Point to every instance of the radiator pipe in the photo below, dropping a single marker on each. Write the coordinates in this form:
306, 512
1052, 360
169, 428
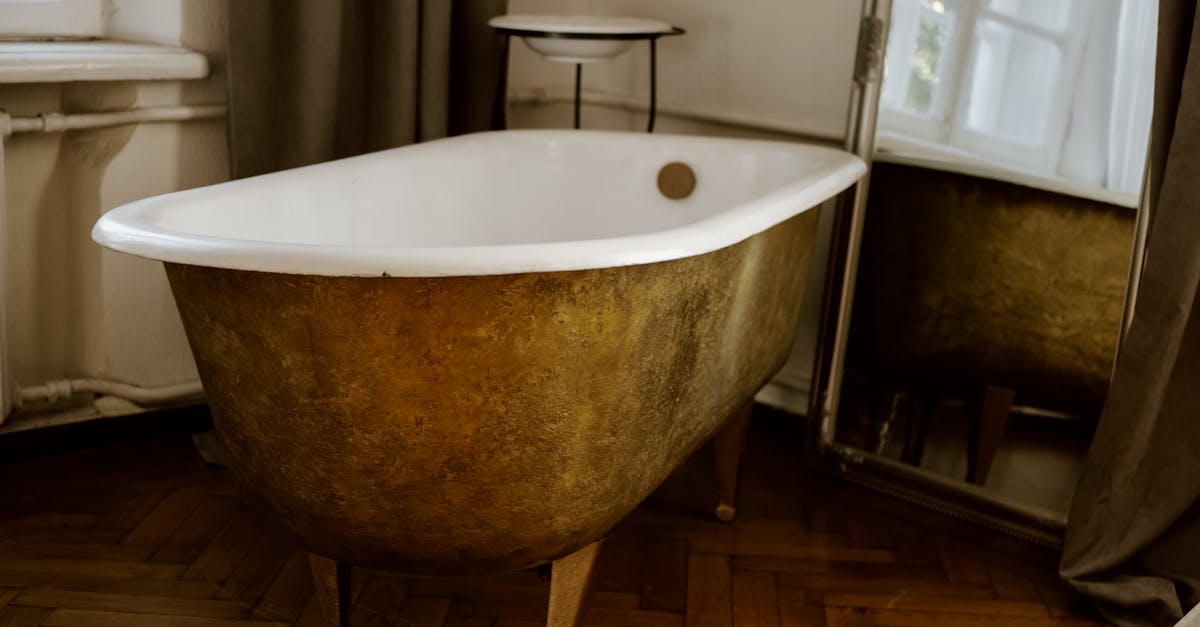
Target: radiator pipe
55, 122
53, 391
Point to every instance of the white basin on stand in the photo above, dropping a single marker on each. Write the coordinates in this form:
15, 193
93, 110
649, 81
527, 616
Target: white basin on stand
580, 38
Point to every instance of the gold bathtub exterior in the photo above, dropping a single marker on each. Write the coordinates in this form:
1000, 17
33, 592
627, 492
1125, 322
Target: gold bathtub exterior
483, 423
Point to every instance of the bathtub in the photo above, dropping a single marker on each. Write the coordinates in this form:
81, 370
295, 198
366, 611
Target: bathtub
478, 354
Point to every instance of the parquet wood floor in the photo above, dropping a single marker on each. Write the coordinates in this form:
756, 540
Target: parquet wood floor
144, 534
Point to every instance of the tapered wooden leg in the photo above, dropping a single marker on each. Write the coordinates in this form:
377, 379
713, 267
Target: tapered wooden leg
332, 580
569, 577
728, 446
922, 403
986, 428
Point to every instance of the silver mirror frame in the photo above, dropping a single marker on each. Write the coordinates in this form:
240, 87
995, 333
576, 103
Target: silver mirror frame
846, 239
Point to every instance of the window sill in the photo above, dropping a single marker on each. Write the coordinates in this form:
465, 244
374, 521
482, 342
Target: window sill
893, 148
97, 60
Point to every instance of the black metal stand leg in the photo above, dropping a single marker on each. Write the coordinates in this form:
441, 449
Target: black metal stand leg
578, 81
653, 84
500, 106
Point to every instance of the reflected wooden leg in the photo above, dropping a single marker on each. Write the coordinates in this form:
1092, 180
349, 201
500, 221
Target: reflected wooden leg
728, 446
332, 581
922, 404
569, 579
987, 428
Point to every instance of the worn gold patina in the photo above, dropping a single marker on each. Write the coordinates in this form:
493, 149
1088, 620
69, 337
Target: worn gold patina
965, 279
482, 423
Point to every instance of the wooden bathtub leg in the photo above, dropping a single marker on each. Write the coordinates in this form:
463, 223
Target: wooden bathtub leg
728, 446
332, 581
569, 577
985, 430
922, 404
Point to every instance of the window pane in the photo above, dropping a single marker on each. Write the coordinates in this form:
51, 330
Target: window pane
1051, 14
1011, 83
905, 14
919, 43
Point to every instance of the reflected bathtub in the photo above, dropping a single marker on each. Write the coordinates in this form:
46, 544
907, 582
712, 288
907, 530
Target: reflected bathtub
478, 354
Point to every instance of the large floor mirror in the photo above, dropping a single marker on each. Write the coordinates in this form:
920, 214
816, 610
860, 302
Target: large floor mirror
996, 241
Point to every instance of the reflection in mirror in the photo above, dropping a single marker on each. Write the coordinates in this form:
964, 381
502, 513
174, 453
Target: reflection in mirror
992, 274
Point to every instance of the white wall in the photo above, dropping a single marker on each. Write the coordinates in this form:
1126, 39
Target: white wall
76, 310
783, 64
769, 69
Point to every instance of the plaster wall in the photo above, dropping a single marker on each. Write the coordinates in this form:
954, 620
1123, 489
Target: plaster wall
779, 64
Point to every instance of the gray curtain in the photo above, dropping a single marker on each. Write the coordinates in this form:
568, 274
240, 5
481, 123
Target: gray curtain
1133, 542
314, 80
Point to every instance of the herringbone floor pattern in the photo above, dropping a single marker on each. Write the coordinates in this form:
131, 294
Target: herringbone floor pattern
143, 534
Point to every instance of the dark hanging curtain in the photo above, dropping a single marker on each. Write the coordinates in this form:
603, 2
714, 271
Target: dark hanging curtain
314, 80
1133, 541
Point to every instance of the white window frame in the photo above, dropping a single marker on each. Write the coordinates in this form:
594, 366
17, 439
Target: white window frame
37, 19
945, 125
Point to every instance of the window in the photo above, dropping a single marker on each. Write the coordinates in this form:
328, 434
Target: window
987, 76
1042, 86
24, 19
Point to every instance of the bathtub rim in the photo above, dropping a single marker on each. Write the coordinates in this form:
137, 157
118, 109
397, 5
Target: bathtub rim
129, 228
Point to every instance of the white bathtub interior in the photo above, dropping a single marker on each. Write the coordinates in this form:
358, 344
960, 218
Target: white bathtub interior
519, 200
526, 191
